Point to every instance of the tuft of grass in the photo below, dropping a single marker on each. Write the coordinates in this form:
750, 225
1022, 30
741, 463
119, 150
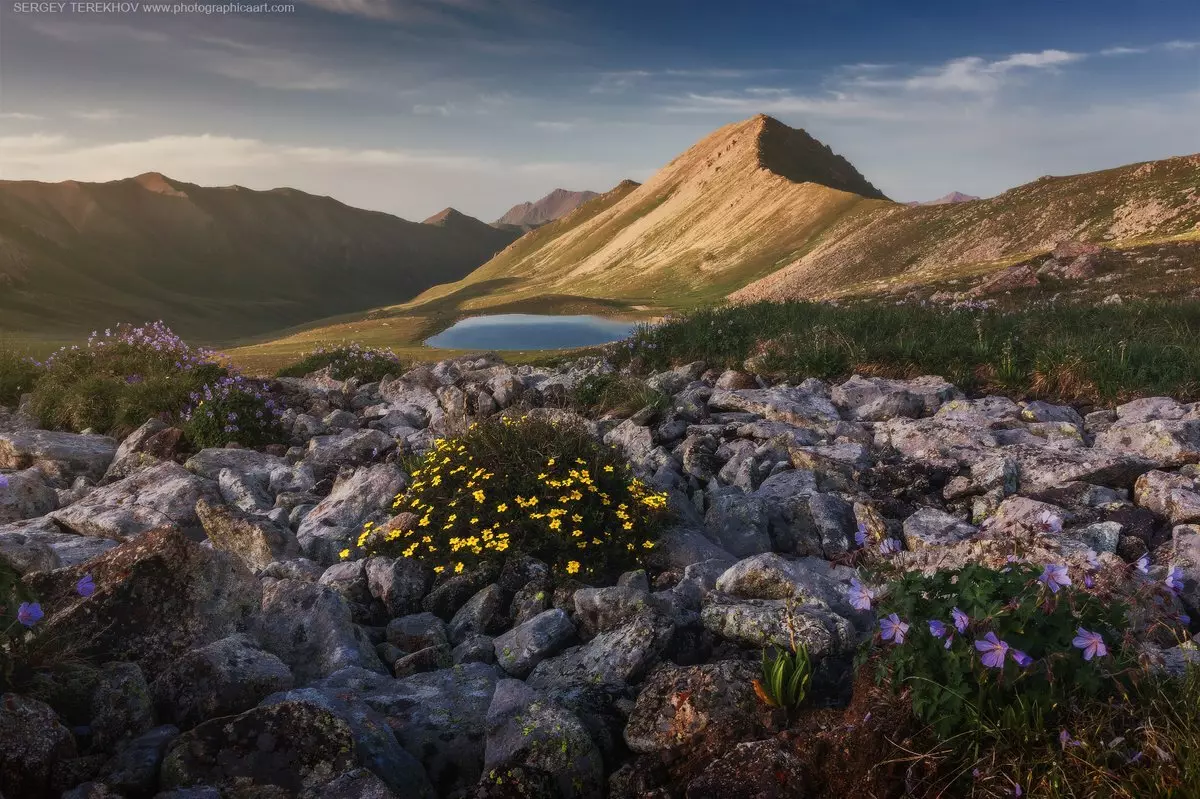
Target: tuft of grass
1066, 354
18, 372
368, 364
618, 394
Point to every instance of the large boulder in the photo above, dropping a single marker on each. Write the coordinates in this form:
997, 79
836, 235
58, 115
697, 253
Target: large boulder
931, 528
618, 657
792, 405
256, 540
156, 597
151, 443
279, 750
697, 709
337, 521
25, 495
208, 463
41, 545
525, 730
32, 742
739, 522
309, 627
64, 456
223, 678
1167, 444
161, 496
525, 646
763, 623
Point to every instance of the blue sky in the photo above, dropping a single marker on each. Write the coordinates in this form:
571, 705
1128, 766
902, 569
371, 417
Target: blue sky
408, 106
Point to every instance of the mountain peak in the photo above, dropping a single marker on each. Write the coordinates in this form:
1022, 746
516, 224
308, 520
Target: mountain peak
554, 205
794, 154
449, 216
158, 183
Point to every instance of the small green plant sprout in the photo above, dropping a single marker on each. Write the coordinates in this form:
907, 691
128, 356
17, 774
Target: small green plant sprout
785, 674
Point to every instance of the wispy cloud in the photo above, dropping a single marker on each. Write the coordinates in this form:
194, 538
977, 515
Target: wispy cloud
21, 116
975, 74
618, 82
98, 115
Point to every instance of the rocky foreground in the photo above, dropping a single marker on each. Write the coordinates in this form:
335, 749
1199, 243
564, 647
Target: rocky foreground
226, 651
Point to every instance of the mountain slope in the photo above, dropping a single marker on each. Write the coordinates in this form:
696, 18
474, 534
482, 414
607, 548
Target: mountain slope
744, 201
947, 199
554, 205
215, 263
877, 248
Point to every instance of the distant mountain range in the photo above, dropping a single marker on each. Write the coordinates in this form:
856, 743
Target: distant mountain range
949, 199
217, 263
554, 205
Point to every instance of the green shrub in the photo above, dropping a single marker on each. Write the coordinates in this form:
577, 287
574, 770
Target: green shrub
524, 486
232, 409
352, 360
613, 393
120, 379
18, 372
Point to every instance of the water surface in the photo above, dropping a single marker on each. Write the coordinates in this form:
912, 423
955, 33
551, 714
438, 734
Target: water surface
518, 331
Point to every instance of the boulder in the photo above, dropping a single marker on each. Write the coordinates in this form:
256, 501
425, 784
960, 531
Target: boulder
247, 493
147, 446
762, 623
520, 649
223, 678
63, 456
1011, 279
32, 742
769, 769
481, 614
931, 528
208, 463
399, 583
256, 540
336, 522
25, 495
601, 609
525, 730
739, 522
121, 706
416, 632
280, 750
326, 453
160, 496
309, 627
1166, 444
618, 657
693, 710
133, 770
157, 597
792, 405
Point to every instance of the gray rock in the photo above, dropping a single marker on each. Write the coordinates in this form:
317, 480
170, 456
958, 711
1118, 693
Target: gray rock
26, 497
431, 658
475, 649
223, 678
833, 519
1023, 515
348, 578
1166, 444
336, 522
32, 741
1101, 536
791, 405
399, 583
248, 493
256, 540
1185, 552
130, 456
309, 627
921, 396
325, 453
208, 463
26, 547
60, 455
481, 614
416, 632
520, 649
808, 581
1149, 409
774, 622
617, 657
357, 783
161, 496
739, 522
440, 718
932, 528
133, 770
601, 609
526, 730
301, 569
121, 704
635, 441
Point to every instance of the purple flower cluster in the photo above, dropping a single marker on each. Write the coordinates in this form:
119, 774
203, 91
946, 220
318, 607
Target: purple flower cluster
30, 613
215, 396
153, 337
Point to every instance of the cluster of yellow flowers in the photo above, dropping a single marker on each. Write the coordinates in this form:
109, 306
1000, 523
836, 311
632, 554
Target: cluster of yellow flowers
465, 514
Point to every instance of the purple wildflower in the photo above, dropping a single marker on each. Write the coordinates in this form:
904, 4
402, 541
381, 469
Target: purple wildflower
936, 628
3, 481
993, 651
1065, 740
961, 620
1143, 564
1174, 580
1020, 658
86, 586
890, 546
1055, 577
860, 595
1050, 522
1091, 643
1089, 581
30, 613
893, 629
860, 537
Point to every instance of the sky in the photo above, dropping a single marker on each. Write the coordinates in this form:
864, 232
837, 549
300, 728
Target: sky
409, 106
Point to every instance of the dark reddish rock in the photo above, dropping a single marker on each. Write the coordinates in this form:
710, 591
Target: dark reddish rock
757, 770
32, 741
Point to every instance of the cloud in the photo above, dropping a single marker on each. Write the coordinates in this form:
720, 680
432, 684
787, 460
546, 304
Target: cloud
21, 116
975, 74
1179, 44
618, 82
1110, 51
98, 115
555, 125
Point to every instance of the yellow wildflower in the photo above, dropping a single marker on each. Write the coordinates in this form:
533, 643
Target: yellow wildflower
345, 553
573, 567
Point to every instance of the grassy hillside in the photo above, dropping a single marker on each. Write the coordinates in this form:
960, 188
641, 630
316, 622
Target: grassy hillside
878, 248
218, 264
